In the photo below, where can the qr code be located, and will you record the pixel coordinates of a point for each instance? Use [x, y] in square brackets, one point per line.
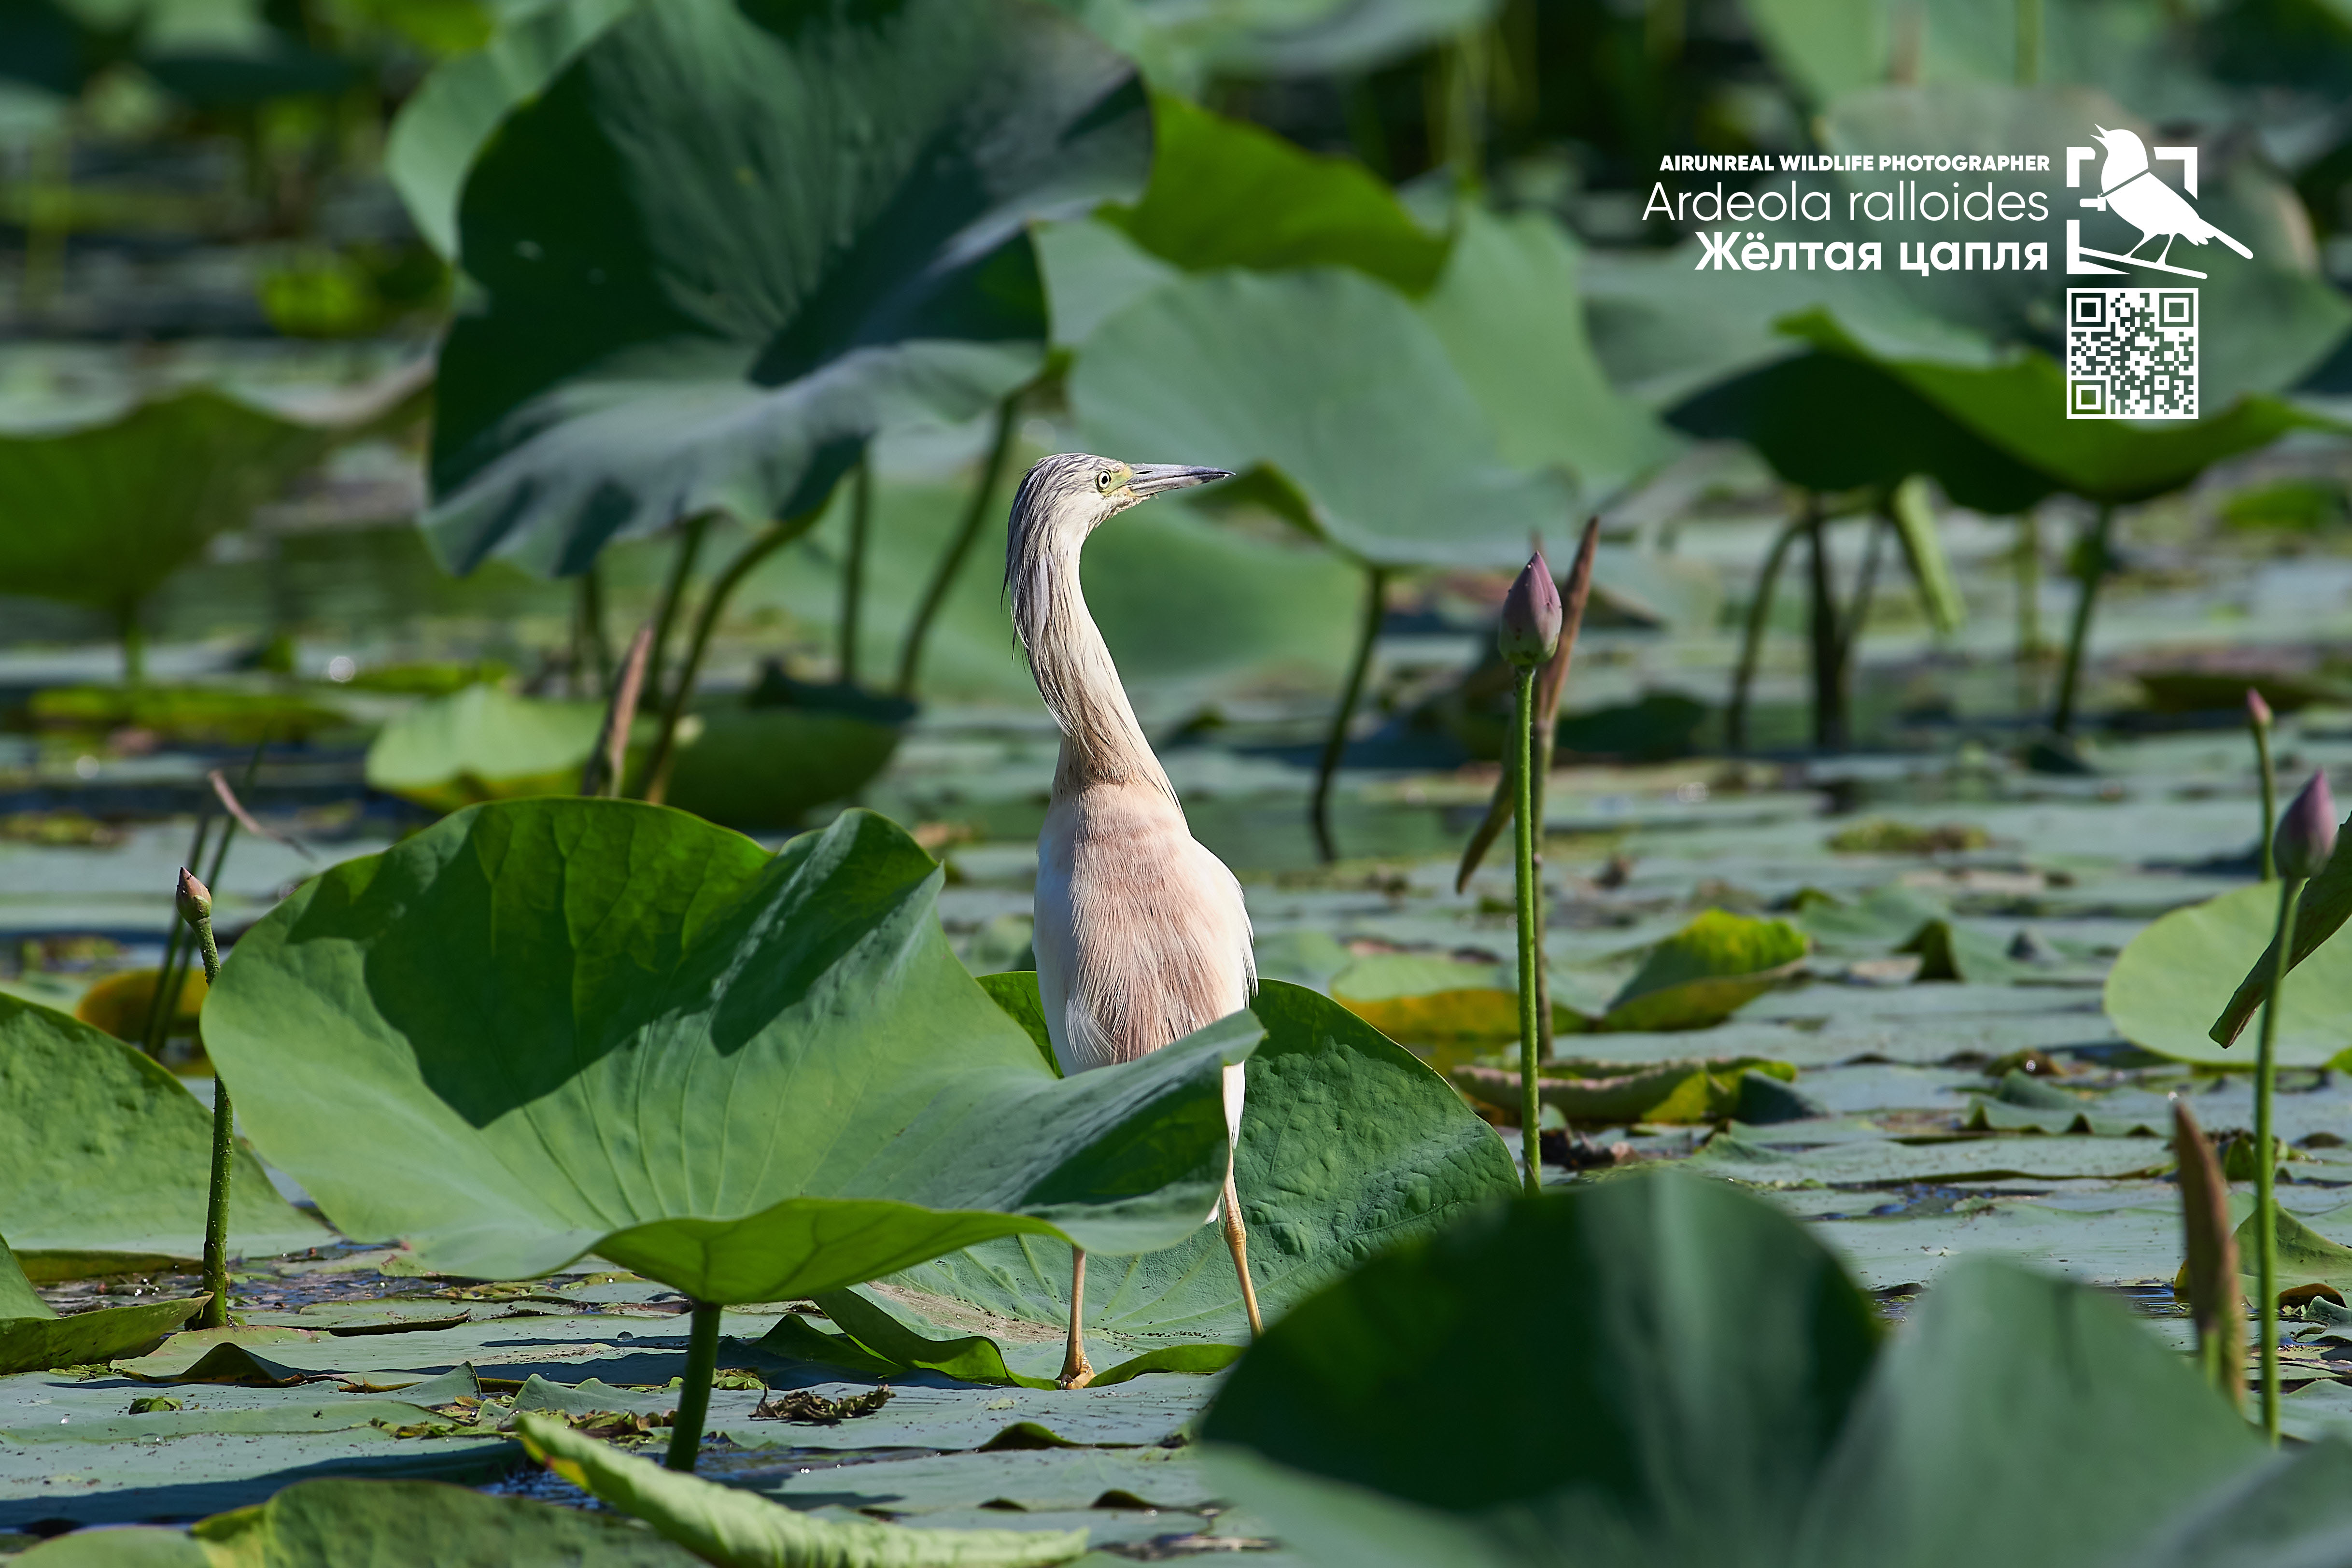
[2131, 354]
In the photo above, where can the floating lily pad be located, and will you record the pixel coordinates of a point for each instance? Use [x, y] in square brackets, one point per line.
[32, 1334]
[111, 1156]
[483, 742]
[119, 1003]
[769, 767]
[2173, 978]
[1706, 972]
[197, 715]
[447, 1043]
[736, 1528]
[1621, 1093]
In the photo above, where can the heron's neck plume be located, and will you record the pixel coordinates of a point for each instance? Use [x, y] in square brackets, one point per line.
[1101, 741]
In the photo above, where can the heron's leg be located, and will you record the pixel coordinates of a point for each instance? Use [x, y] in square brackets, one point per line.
[1076, 1370]
[1238, 1238]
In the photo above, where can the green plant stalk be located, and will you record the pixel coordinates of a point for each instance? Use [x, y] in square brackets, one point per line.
[1829, 674]
[2029, 42]
[775, 538]
[694, 1389]
[1751, 646]
[134, 644]
[1523, 832]
[1335, 744]
[2093, 568]
[174, 978]
[853, 562]
[681, 572]
[215, 1313]
[1544, 744]
[2270, 795]
[2029, 607]
[599, 647]
[975, 513]
[151, 1038]
[2265, 1164]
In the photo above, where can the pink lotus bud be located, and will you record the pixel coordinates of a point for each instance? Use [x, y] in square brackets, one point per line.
[196, 899]
[2307, 830]
[1529, 633]
[2257, 710]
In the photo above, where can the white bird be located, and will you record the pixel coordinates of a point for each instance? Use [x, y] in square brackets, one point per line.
[1141, 936]
[2130, 190]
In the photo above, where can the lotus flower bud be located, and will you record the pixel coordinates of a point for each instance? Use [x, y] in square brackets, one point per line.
[196, 899]
[1529, 633]
[2257, 711]
[2307, 830]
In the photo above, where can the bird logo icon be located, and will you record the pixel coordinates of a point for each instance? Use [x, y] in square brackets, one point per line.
[2130, 188]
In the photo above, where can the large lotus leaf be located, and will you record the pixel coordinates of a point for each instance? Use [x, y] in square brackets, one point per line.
[102, 514]
[728, 243]
[1699, 1383]
[2010, 405]
[1509, 311]
[738, 1528]
[109, 1153]
[1682, 1358]
[443, 124]
[1349, 1144]
[1224, 193]
[1828, 422]
[2172, 978]
[1336, 383]
[546, 1028]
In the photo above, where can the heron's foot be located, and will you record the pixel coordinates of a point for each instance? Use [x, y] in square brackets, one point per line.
[1076, 1370]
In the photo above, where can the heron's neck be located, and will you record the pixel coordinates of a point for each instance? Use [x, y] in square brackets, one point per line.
[1101, 741]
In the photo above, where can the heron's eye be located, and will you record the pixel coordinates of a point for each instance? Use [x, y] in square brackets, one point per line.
[1102, 480]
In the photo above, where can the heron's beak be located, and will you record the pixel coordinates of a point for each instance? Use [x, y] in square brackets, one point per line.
[1150, 479]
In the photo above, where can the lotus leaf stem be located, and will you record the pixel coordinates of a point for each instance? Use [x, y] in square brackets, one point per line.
[151, 1038]
[776, 536]
[673, 595]
[216, 1312]
[1523, 744]
[1826, 636]
[2091, 565]
[2270, 795]
[1335, 744]
[1751, 645]
[2265, 1161]
[975, 513]
[694, 1391]
[853, 562]
[596, 645]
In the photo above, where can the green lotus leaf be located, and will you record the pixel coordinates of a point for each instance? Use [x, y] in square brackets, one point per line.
[1509, 311]
[1697, 1381]
[443, 126]
[110, 1156]
[2177, 974]
[368, 1522]
[32, 1335]
[1349, 1144]
[1224, 193]
[547, 1027]
[100, 514]
[726, 244]
[1339, 385]
[738, 1528]
[483, 742]
[1706, 972]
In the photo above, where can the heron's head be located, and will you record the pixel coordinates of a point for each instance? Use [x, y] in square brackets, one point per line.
[1074, 493]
